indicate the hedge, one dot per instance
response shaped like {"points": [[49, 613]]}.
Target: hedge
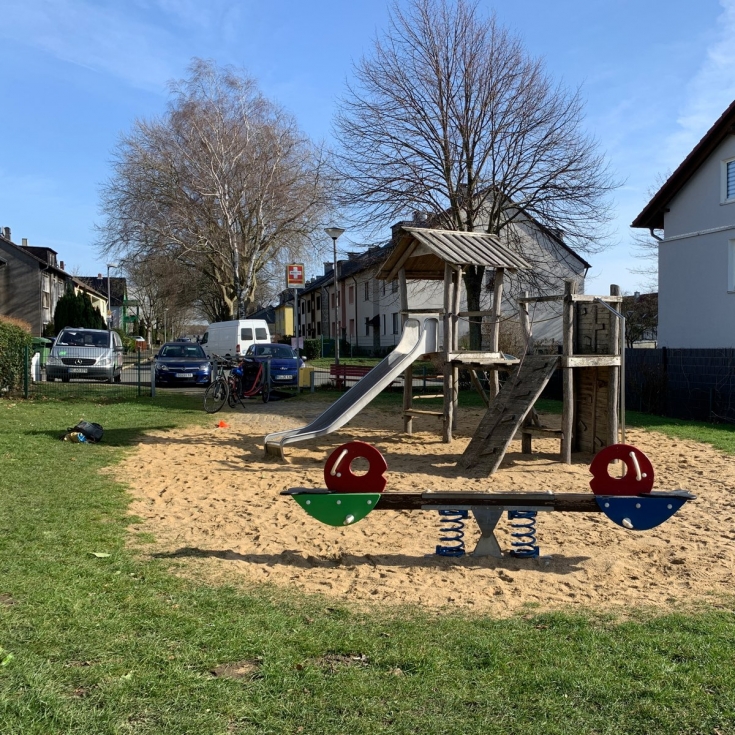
{"points": [[13, 341]]}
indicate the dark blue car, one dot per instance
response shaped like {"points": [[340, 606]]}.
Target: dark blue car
{"points": [[182, 363], [284, 363]]}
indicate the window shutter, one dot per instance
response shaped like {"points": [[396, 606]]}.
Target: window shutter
{"points": [[730, 180]]}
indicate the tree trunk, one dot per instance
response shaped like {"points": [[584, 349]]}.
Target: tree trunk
{"points": [[473, 283]]}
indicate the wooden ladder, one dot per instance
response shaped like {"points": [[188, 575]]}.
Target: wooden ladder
{"points": [[506, 413]]}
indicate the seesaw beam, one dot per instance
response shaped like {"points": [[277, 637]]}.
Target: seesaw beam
{"points": [[340, 509]]}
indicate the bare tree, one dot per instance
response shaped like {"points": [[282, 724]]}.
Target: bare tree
{"points": [[162, 292], [645, 246], [218, 185], [450, 115]]}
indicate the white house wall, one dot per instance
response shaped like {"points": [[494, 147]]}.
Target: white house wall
{"points": [[696, 265]]}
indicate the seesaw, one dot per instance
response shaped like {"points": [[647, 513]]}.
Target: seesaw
{"points": [[629, 501]]}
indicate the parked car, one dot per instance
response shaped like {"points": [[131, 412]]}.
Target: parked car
{"points": [[232, 339], [284, 362], [87, 354], [181, 363]]}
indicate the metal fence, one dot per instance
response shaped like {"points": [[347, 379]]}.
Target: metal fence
{"points": [[78, 382], [136, 379]]}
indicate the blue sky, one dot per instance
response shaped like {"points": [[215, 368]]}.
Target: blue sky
{"points": [[77, 73]]}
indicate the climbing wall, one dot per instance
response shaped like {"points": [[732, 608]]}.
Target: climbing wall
{"points": [[591, 409], [505, 415]]}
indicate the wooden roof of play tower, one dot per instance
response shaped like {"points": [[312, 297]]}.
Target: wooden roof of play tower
{"points": [[422, 253]]}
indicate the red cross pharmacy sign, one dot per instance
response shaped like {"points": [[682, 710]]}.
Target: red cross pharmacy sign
{"points": [[295, 275]]}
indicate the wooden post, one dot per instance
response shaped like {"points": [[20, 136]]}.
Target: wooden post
{"points": [[526, 438], [495, 326], [567, 414], [456, 306], [526, 324], [613, 386], [408, 373], [448, 403]]}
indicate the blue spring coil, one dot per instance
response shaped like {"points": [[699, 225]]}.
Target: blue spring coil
{"points": [[525, 532], [452, 530]]}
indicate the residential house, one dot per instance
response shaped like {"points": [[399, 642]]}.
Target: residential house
{"points": [[32, 280], [693, 217], [267, 314], [284, 322], [118, 291]]}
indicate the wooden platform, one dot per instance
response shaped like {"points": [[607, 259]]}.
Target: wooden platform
{"points": [[483, 359], [505, 416]]}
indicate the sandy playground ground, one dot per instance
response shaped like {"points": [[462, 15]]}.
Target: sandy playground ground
{"points": [[211, 500]]}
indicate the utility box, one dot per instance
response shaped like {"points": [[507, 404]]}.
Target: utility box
{"points": [[305, 376]]}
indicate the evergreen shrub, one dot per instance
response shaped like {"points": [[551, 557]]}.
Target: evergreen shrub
{"points": [[14, 338]]}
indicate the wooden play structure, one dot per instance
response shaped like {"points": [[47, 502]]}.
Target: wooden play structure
{"points": [[590, 358], [591, 363], [432, 255]]}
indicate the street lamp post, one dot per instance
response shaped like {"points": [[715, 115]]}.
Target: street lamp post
{"points": [[165, 314], [334, 233], [109, 299]]}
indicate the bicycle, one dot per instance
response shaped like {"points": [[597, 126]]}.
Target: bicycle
{"points": [[231, 388], [218, 391]]}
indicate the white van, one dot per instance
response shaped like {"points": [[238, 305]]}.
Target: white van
{"points": [[232, 339]]}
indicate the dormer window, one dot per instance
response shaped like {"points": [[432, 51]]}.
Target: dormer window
{"points": [[728, 181]]}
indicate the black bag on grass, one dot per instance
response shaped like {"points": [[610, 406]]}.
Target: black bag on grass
{"points": [[93, 432]]}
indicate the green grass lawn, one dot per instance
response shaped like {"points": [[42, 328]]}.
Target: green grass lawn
{"points": [[95, 640]]}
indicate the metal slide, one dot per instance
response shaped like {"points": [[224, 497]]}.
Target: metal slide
{"points": [[416, 340]]}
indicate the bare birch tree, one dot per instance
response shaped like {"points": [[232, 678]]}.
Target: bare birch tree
{"points": [[451, 116], [219, 185]]}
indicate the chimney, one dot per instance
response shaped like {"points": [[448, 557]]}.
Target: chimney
{"points": [[6, 233], [61, 264], [99, 275], [24, 242], [328, 267]]}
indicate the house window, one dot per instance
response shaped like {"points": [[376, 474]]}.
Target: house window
{"points": [[45, 300], [367, 291], [351, 295], [394, 286], [731, 266], [318, 303], [395, 322], [367, 327], [384, 332], [333, 299], [352, 327], [728, 181], [382, 288], [318, 329]]}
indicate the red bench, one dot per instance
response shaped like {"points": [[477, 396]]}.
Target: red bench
{"points": [[341, 373]]}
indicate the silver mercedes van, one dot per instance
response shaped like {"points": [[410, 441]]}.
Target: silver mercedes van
{"points": [[89, 354]]}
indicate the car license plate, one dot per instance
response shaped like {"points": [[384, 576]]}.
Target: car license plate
{"points": [[184, 375], [77, 370], [284, 377]]}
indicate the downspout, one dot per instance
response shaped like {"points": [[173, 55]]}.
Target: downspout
{"points": [[357, 321], [654, 235]]}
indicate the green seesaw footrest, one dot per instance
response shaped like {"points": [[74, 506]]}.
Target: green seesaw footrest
{"points": [[335, 509]]}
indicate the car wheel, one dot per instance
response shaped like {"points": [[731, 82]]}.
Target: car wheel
{"points": [[65, 380], [118, 377], [49, 379]]}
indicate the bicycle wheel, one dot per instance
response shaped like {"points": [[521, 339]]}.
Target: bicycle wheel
{"points": [[216, 395], [265, 391]]}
